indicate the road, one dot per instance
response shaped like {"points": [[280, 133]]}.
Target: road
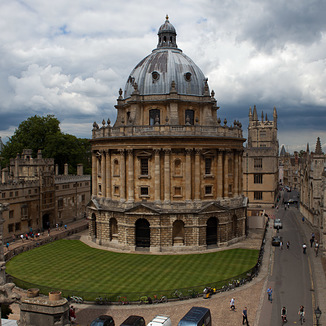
{"points": [[290, 274]]}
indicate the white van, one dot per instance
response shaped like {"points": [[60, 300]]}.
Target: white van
{"points": [[160, 320]]}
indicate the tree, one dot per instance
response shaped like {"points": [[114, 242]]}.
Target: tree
{"points": [[43, 133]]}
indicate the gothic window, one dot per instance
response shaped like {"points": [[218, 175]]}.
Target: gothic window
{"points": [[154, 117], [116, 168], [208, 166], [258, 178], [189, 117], [144, 166]]}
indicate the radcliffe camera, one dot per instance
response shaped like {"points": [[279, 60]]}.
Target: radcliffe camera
{"points": [[162, 169]]}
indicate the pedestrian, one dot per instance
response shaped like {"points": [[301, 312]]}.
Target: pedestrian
{"points": [[245, 316], [57, 226], [288, 205], [269, 294], [13, 238], [65, 226], [288, 245], [304, 248], [313, 236], [316, 248], [49, 232], [232, 304], [281, 245], [302, 219], [311, 242], [72, 314], [22, 237], [7, 246]]}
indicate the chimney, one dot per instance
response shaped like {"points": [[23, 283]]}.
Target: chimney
{"points": [[4, 175], [80, 169], [56, 169], [65, 169]]}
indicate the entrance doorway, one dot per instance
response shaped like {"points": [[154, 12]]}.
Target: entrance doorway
{"points": [[143, 233], [211, 231]]}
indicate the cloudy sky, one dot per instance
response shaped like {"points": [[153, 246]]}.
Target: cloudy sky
{"points": [[69, 58]]}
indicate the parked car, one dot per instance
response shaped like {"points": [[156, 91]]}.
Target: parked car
{"points": [[134, 321], [103, 320], [278, 224], [197, 316], [160, 321], [276, 241]]}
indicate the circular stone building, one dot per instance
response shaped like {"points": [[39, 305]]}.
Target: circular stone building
{"points": [[167, 176]]}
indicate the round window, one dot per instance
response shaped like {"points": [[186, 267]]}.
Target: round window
{"points": [[155, 75], [188, 76]]}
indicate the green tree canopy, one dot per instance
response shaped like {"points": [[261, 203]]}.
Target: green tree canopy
{"points": [[44, 133]]}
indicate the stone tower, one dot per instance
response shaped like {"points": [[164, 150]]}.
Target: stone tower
{"points": [[260, 168]]}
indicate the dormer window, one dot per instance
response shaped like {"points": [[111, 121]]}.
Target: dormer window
{"points": [[187, 76], [155, 76]]}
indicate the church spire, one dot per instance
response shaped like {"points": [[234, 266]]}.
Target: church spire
{"points": [[318, 149]]}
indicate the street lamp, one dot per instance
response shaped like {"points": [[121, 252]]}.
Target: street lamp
{"points": [[318, 314]]}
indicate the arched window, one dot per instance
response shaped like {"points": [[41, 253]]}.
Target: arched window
{"points": [[230, 166], [189, 117], [113, 229], [178, 233], [154, 117]]}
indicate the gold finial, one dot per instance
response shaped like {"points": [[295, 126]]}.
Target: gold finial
{"points": [[167, 17]]}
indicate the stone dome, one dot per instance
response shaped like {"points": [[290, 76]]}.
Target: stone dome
{"points": [[166, 64]]}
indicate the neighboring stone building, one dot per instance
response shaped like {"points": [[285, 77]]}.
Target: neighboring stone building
{"points": [[289, 169], [168, 175], [312, 186], [260, 163], [38, 197]]}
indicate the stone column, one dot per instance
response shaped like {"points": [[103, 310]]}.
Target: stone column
{"points": [[157, 175], [94, 174], [226, 175], [103, 174], [236, 174], [131, 189], [188, 174], [219, 174], [108, 175], [197, 173], [122, 175], [167, 177]]}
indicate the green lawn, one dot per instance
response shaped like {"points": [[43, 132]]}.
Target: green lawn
{"points": [[72, 265]]}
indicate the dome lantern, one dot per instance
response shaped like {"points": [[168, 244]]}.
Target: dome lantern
{"points": [[167, 36]]}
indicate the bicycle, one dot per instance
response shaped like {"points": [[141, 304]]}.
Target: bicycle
{"points": [[145, 299], [177, 294], [102, 301], [122, 300], [161, 299]]}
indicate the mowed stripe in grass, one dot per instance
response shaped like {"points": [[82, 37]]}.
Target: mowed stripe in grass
{"points": [[70, 264]]}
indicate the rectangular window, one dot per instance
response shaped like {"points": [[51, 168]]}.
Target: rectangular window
{"points": [[83, 198], [263, 133], [258, 178], [258, 195], [16, 193], [189, 117], [144, 166], [177, 191], [24, 212], [208, 166], [208, 190], [144, 191], [10, 194], [17, 226], [116, 190], [10, 228], [11, 214], [3, 195], [258, 163], [60, 203]]}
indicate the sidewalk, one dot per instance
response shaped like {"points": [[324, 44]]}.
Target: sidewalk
{"points": [[318, 271]]}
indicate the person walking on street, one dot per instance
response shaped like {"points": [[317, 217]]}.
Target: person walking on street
{"points": [[313, 236], [316, 248], [281, 245], [245, 316], [288, 245], [302, 219], [311, 242], [269, 294], [232, 304], [304, 248]]}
